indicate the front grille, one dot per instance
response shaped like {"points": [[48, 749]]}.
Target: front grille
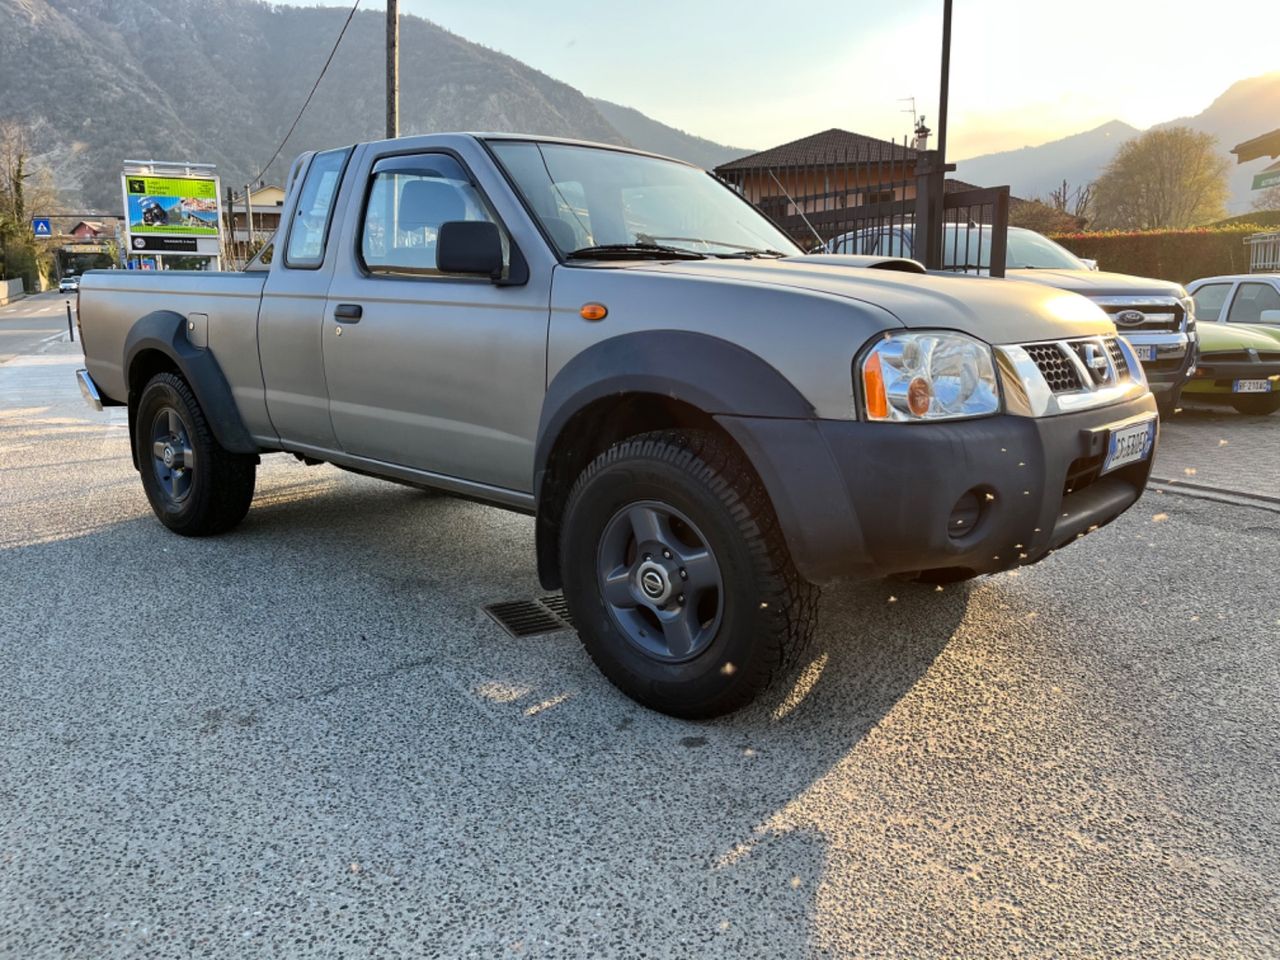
{"points": [[1081, 473], [1056, 367], [1228, 356], [1117, 358], [1155, 316]]}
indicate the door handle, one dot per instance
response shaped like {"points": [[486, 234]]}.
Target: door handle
{"points": [[350, 312]]}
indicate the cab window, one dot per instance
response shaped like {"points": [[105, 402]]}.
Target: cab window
{"points": [[1209, 300], [409, 199], [1250, 300]]}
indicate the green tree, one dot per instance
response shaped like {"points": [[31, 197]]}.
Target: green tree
{"points": [[23, 191], [1170, 177]]}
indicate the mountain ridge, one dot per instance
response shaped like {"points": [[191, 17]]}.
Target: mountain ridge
{"points": [[220, 81], [1235, 115]]}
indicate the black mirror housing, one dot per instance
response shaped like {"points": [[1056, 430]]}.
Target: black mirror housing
{"points": [[471, 247]]}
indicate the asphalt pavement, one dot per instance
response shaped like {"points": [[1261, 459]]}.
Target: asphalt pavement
{"points": [[305, 739], [26, 323]]}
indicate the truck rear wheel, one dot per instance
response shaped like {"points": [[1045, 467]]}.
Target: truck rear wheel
{"points": [[1257, 406], [196, 488], [678, 577]]}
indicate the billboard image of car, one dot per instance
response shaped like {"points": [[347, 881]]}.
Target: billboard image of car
{"points": [[171, 206]]}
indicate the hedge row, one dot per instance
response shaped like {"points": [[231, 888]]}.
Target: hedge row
{"points": [[1177, 255]]}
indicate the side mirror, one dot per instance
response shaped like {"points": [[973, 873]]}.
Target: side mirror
{"points": [[1270, 316], [471, 247]]}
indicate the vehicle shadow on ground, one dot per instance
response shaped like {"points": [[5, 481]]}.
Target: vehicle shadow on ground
{"points": [[360, 597]]}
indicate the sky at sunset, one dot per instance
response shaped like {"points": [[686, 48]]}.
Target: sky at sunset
{"points": [[756, 74]]}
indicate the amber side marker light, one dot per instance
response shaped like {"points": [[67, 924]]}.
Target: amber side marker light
{"points": [[873, 386], [593, 311]]}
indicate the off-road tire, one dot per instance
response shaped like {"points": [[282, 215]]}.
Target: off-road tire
{"points": [[220, 487], [1257, 406], [769, 612]]}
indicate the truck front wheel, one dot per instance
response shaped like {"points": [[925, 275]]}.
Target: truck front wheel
{"points": [[196, 487], [678, 577]]}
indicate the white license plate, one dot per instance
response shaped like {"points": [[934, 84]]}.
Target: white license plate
{"points": [[1143, 351], [1252, 386], [1129, 445]]}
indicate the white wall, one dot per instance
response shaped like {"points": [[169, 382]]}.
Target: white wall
{"points": [[10, 290]]}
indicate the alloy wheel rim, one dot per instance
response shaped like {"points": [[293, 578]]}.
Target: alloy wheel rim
{"points": [[660, 581], [172, 459]]}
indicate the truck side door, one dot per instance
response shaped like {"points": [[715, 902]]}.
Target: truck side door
{"points": [[438, 373], [291, 316]]}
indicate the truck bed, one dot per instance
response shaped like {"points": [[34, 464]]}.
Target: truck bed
{"points": [[223, 306]]}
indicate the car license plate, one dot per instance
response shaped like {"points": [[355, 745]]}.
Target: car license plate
{"points": [[1252, 386], [1129, 445], [1144, 352]]}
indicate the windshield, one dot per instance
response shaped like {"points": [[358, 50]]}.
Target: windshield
{"points": [[594, 201], [970, 246]]}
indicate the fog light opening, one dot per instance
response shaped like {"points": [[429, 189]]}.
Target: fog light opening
{"points": [[968, 512]]}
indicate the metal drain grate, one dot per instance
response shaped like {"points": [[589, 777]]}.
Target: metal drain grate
{"points": [[529, 618], [558, 605]]}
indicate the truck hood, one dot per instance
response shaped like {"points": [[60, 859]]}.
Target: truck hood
{"points": [[1095, 283], [997, 311], [1218, 337]]}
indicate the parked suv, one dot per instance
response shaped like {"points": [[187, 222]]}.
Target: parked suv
{"points": [[1157, 317], [705, 422]]}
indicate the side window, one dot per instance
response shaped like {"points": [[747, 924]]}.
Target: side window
{"points": [[1250, 300], [1209, 300], [409, 198], [309, 231]]}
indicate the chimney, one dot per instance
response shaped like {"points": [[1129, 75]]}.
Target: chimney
{"points": [[922, 136]]}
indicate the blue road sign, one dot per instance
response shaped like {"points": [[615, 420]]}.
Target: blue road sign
{"points": [[41, 227]]}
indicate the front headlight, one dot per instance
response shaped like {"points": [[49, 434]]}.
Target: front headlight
{"points": [[930, 375], [1189, 308]]}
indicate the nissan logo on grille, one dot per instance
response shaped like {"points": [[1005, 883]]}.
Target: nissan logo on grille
{"points": [[1130, 317], [1095, 361]]}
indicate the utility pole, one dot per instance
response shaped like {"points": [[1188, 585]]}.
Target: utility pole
{"points": [[943, 90], [248, 214], [393, 68]]}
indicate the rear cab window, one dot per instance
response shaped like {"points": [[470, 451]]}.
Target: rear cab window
{"points": [[309, 229]]}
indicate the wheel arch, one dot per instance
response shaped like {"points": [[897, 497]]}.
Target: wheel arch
{"points": [[636, 383], [158, 343]]}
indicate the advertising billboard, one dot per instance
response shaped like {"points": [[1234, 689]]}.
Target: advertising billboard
{"points": [[171, 214]]}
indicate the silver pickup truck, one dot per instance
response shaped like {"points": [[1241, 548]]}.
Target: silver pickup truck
{"points": [[706, 423]]}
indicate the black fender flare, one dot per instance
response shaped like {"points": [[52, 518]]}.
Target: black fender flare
{"points": [[714, 375], [725, 381], [166, 331]]}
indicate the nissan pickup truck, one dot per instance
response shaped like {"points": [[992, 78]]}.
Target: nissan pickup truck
{"points": [[1156, 317], [707, 424]]}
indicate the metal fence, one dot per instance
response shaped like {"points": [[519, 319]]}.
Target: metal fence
{"points": [[1264, 252], [887, 199]]}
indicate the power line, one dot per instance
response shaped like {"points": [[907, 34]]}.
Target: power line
{"points": [[314, 86]]}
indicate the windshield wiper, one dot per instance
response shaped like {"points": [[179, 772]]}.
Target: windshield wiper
{"points": [[623, 251], [750, 254], [739, 251]]}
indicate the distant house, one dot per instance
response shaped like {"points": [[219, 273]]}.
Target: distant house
{"points": [[266, 202], [830, 170], [89, 230]]}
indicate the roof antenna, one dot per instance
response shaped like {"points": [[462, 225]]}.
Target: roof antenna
{"points": [[915, 121], [816, 235]]}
